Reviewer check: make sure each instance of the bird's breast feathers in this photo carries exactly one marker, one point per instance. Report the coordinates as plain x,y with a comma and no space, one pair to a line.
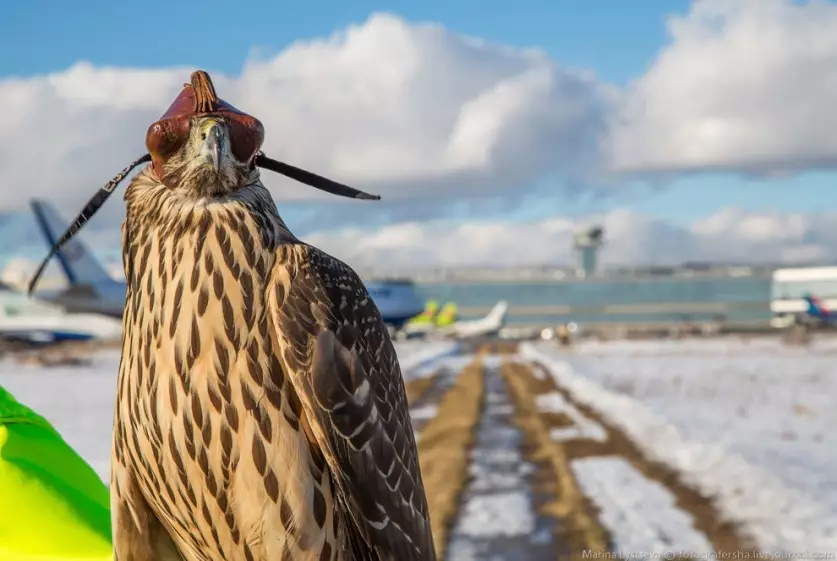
260,399
206,415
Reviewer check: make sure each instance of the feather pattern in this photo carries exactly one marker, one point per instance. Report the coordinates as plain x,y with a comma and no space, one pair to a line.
341,359
260,409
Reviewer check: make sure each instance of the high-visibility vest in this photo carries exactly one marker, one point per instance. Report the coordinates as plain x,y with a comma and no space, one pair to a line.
53,505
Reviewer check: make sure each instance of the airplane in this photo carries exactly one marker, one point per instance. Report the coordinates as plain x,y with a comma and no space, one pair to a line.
429,320
396,299
24,320
817,313
93,290
487,326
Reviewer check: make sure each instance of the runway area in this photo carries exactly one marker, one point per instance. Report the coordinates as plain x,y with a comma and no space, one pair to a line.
658,449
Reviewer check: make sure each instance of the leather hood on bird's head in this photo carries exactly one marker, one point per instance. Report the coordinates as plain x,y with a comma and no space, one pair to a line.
168,134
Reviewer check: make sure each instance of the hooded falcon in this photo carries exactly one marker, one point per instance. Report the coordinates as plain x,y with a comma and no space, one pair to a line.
261,413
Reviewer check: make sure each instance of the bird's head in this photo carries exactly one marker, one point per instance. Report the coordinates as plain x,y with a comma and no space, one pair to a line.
205,147
202,144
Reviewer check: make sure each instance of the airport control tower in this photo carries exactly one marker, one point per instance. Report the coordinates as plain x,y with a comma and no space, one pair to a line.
586,245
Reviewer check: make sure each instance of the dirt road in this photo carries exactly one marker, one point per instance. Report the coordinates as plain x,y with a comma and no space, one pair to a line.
516,471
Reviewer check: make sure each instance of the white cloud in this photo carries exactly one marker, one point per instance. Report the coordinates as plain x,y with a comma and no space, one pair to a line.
390,106
425,116
744,85
730,235
414,109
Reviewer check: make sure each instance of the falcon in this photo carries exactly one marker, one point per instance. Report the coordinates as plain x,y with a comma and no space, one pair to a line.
261,412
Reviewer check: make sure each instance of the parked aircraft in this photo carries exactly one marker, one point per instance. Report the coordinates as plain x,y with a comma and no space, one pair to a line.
489,325
91,288
817,313
446,327
25,320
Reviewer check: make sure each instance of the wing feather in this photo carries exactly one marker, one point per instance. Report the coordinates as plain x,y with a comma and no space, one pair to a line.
343,365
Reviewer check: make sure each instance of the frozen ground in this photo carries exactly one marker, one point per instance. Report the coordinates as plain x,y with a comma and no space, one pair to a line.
641,514
79,401
497,520
581,427
749,422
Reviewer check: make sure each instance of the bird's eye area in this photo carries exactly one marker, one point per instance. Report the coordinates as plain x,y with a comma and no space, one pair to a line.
164,138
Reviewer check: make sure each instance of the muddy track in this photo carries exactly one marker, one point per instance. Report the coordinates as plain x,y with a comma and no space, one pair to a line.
419,388
576,525
502,448
500,516
723,535
444,443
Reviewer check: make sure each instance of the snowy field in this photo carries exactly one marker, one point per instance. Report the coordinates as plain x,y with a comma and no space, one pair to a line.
750,423
79,400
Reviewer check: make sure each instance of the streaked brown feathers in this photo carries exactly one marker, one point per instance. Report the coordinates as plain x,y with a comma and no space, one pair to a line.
339,354
260,413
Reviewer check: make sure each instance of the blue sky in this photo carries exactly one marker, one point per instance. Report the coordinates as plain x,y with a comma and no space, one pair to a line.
618,41
615,38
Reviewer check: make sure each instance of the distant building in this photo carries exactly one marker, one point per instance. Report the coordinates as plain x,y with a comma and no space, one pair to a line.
586,245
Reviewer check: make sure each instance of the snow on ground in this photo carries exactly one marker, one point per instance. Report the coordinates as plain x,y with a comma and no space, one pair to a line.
714,346
582,427
497,520
750,423
79,400
640,514
419,358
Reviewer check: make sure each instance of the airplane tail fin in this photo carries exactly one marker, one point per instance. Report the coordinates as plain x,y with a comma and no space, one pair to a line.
447,315
816,307
77,262
498,312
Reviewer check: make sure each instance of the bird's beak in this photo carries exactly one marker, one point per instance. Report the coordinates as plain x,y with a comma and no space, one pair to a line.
214,143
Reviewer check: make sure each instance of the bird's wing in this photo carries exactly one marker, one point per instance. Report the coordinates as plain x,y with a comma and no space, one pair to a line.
342,362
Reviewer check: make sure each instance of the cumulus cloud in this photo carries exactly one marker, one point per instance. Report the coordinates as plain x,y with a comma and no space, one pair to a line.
413,110
743,85
407,110
435,122
730,235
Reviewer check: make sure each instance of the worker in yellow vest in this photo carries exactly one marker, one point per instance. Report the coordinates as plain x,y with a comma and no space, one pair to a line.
448,315
428,316
53,506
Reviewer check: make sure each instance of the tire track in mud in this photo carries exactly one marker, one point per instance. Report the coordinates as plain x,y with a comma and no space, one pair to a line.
499,515
576,526
444,440
534,380
424,394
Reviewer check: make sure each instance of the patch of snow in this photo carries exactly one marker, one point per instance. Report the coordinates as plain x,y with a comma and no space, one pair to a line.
424,413
718,420
504,513
702,347
583,428
419,359
641,515
497,520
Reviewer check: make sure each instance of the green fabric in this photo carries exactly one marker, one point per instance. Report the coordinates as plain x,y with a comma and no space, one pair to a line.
53,506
